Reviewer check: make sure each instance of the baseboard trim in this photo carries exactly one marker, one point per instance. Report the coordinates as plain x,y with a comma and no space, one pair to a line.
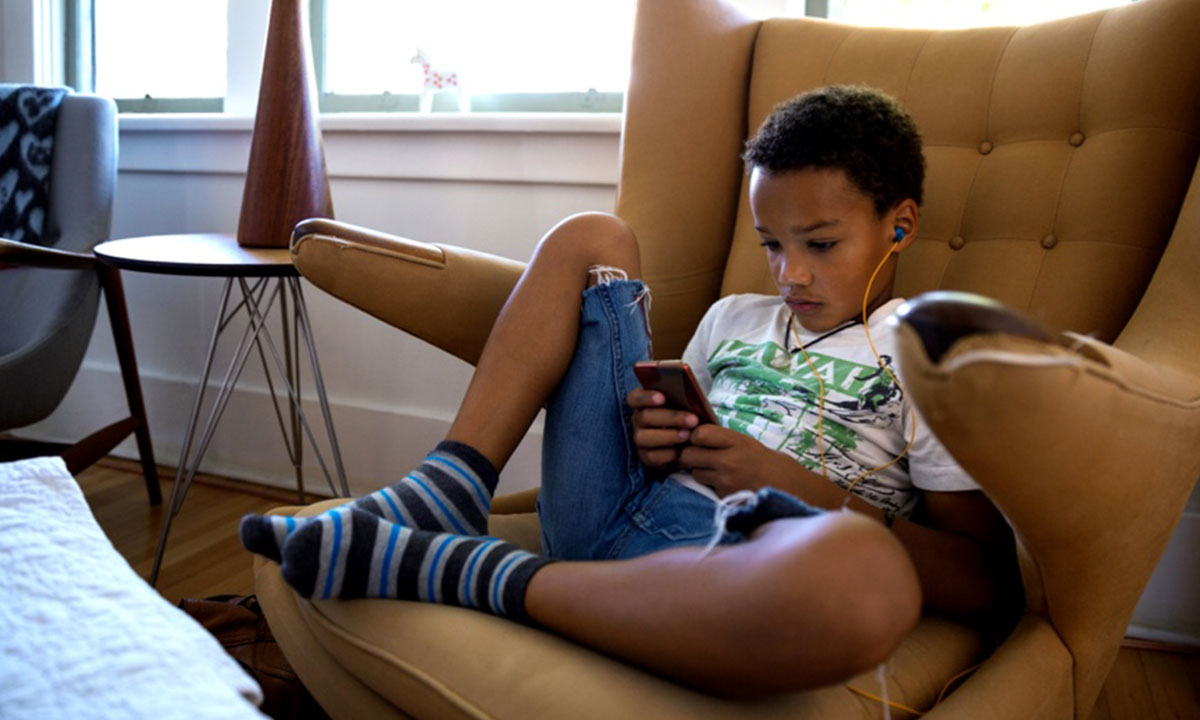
378,443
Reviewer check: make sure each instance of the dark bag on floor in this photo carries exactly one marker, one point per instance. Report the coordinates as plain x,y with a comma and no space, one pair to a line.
237,623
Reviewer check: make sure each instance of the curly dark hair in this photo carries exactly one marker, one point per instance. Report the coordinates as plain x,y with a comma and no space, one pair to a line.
858,129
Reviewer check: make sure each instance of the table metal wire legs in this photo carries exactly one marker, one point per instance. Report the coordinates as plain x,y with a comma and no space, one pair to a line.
258,296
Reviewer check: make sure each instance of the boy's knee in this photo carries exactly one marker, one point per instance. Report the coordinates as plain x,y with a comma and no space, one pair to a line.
596,226
593,238
869,597
878,595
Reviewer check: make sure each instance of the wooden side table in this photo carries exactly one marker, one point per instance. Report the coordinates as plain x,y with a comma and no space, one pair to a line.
252,271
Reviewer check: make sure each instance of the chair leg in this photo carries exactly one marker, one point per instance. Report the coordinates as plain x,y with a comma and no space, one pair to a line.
114,296
92,448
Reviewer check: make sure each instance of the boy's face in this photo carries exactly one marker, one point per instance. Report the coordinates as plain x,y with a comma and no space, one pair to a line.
823,241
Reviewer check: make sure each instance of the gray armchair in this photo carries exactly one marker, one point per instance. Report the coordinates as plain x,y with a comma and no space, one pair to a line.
50,294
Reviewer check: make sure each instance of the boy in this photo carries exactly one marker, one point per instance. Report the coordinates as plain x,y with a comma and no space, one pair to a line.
794,596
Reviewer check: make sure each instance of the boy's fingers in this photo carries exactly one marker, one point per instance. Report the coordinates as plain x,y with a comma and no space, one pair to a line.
643,398
660,437
711,436
666,418
657,458
695,458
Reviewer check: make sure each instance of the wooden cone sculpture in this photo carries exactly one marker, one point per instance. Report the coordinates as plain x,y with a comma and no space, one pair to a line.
286,181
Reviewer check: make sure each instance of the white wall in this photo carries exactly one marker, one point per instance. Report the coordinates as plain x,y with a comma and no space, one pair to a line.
17,46
492,184
27,29
1169,610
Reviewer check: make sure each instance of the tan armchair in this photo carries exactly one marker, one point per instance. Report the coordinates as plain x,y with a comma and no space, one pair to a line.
1060,158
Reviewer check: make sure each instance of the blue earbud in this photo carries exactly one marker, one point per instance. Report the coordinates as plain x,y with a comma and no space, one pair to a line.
899,235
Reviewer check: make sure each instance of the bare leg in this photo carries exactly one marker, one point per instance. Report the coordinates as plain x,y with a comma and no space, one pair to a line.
531,344
804,603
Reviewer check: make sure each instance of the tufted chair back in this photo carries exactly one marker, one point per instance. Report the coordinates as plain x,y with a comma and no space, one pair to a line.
1058,155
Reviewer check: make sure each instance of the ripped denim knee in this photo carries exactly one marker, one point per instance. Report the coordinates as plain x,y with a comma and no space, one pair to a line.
633,295
739,514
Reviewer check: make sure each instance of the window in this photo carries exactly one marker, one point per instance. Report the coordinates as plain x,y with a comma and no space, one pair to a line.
154,54
516,55
509,55
520,55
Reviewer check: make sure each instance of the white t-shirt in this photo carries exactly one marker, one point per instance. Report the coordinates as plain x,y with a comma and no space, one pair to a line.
759,383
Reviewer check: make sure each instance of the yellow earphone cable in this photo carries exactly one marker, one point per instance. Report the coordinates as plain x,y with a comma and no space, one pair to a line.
820,403
825,471
821,387
881,701
900,706
912,435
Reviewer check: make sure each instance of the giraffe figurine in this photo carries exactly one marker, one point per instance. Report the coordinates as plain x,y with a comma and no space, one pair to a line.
439,80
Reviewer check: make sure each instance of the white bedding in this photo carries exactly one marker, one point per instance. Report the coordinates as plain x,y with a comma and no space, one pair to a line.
81,635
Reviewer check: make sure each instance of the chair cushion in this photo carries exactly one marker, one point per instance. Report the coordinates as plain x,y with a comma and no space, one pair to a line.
445,662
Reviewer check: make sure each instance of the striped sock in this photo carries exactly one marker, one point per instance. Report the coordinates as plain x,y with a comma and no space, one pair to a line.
357,554
450,491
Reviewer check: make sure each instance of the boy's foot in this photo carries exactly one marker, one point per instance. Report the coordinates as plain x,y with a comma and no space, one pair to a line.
356,554
450,491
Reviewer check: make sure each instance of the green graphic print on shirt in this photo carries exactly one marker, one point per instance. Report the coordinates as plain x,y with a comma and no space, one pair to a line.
764,392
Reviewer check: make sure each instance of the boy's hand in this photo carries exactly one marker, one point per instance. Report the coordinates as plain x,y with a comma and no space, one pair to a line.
727,460
659,432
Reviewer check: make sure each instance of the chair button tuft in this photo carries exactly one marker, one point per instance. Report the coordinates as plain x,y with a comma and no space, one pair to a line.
1049,241
957,242
1077,139
986,147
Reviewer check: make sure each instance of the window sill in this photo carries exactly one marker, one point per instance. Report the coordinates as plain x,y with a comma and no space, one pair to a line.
541,148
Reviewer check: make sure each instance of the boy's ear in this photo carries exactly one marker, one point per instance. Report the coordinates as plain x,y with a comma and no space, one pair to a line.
905,216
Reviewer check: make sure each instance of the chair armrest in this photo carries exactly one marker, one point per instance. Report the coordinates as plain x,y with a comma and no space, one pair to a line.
524,501
1089,452
445,295
18,253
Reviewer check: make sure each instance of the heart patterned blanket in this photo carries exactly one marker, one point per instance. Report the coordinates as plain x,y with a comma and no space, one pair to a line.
28,117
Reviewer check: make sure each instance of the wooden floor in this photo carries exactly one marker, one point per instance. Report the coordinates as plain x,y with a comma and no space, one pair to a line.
204,558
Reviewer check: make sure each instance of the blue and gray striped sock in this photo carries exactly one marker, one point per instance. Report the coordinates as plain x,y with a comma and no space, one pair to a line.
357,554
450,491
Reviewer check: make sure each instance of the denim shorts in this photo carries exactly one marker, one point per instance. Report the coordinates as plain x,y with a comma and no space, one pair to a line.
596,501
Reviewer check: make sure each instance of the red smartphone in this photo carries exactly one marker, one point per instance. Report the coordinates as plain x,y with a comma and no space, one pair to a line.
674,379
